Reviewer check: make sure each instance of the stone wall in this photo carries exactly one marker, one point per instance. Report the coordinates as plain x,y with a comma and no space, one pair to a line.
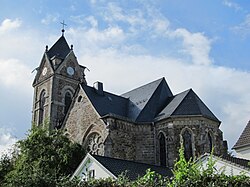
83,120
199,126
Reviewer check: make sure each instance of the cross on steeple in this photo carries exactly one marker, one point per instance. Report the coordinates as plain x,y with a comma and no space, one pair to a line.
63,25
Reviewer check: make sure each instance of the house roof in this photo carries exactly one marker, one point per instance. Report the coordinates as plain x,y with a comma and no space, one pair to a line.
148,103
244,138
60,49
240,162
131,168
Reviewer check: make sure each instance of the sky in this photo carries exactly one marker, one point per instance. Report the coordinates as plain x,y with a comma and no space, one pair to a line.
203,45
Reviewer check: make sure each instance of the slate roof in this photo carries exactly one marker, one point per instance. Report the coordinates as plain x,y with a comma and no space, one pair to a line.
147,100
186,103
133,169
107,103
60,49
244,139
149,103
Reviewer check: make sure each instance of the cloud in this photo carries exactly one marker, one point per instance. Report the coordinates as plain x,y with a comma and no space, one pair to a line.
94,39
8,25
197,45
150,22
243,29
231,4
15,75
50,18
6,140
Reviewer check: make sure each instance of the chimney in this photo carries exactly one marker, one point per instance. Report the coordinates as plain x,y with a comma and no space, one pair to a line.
98,86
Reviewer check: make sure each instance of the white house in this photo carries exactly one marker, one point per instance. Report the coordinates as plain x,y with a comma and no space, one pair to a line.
227,164
242,146
96,167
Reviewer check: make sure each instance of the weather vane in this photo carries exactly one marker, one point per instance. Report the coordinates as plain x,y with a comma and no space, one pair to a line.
63,25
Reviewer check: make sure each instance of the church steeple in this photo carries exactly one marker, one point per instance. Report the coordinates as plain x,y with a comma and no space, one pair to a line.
60,48
56,80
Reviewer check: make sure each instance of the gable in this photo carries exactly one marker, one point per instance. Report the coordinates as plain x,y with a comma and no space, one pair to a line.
45,70
89,163
82,118
70,68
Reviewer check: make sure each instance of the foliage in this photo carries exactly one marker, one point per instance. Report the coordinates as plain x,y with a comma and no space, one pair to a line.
191,173
151,178
6,165
44,159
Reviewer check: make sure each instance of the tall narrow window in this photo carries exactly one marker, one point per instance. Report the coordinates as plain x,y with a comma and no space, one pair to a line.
187,143
210,141
67,102
162,143
41,107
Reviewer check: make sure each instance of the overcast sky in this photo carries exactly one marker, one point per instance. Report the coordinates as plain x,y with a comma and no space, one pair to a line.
203,45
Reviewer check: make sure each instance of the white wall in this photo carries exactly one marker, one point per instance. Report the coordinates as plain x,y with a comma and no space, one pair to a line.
88,165
227,167
243,153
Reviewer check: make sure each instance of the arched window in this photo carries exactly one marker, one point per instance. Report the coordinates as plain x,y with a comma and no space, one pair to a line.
162,143
187,144
67,102
41,107
210,142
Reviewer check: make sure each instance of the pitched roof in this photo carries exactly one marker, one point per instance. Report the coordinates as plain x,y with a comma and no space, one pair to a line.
239,161
106,103
148,103
244,138
131,168
147,100
60,49
185,104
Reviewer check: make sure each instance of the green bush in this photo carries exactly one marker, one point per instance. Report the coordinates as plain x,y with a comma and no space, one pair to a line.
48,160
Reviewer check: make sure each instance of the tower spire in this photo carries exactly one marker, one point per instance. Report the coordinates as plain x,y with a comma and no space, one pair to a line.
63,25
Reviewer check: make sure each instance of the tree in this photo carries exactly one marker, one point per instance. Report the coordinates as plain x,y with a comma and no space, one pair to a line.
43,159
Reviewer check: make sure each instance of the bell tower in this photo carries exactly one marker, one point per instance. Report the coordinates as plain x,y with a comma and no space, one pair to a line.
57,78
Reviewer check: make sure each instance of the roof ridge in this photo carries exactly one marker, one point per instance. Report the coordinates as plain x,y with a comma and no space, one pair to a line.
187,91
83,84
161,79
150,97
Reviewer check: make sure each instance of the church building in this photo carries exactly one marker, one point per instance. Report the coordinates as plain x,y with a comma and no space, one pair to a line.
147,124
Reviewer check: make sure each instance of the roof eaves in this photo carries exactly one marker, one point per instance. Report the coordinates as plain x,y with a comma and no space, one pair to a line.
240,146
